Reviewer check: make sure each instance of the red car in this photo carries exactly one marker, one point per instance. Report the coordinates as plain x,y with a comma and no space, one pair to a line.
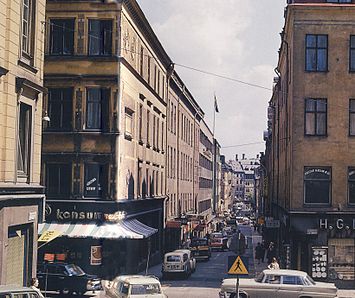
219,241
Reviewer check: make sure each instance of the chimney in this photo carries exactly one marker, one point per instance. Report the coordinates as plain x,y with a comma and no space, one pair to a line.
257,156
223,159
243,156
236,157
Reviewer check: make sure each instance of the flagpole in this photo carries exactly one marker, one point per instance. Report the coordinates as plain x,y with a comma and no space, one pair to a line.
214,203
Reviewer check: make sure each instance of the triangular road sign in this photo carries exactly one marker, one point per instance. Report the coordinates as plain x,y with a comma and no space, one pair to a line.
238,267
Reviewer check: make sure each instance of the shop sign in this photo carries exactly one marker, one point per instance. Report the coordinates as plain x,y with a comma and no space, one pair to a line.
96,255
115,217
319,262
61,214
287,256
49,236
338,223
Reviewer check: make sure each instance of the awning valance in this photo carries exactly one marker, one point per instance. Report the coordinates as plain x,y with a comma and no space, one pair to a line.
125,229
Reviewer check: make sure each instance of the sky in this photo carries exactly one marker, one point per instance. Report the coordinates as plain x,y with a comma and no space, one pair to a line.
238,39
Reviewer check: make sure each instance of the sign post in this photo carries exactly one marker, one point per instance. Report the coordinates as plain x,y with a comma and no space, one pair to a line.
238,266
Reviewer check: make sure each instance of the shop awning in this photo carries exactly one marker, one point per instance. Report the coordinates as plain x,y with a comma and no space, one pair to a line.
125,229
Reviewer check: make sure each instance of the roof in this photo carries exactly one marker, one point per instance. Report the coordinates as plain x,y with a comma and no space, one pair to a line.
285,272
8,288
138,279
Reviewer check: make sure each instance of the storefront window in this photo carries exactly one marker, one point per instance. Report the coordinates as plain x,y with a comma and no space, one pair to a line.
341,259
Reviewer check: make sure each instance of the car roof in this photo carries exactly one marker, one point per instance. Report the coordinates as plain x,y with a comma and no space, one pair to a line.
185,251
14,288
285,272
138,279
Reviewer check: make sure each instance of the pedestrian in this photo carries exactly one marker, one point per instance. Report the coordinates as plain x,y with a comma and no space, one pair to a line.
34,286
259,253
263,247
274,265
271,252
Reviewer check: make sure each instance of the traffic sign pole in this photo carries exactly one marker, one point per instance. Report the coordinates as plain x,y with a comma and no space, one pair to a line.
237,291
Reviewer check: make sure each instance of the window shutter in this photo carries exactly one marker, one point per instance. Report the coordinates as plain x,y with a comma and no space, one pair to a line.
105,106
78,113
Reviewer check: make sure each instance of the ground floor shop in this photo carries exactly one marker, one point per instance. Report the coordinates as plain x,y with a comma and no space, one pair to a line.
19,218
322,245
104,239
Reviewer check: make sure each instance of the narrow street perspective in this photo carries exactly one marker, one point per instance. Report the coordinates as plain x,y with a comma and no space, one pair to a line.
181,149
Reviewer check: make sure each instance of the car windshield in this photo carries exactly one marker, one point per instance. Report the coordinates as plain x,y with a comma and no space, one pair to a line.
260,277
199,242
309,280
147,289
173,259
74,270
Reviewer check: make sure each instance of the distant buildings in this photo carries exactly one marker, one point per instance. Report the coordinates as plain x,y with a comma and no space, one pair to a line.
310,141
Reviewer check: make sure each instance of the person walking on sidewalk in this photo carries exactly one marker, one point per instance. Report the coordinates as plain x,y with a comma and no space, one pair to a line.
271,252
259,253
274,265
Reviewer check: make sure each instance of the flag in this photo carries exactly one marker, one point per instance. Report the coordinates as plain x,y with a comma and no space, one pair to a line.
215,104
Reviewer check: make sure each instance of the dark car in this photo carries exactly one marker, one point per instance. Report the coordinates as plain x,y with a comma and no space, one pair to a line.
200,248
219,241
66,278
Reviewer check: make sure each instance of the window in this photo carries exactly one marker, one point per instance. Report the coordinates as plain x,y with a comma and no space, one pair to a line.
60,108
100,37
142,62
317,185
272,279
128,123
96,105
95,180
148,127
24,140
291,280
316,52
27,34
140,123
339,1
352,117
58,179
315,117
62,37
352,53
341,260
351,185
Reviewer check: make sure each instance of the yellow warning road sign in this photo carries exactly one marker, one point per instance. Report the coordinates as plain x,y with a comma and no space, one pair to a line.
238,267
49,236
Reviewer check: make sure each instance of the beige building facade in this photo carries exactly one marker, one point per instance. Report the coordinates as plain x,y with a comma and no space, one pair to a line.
311,144
104,149
21,94
183,118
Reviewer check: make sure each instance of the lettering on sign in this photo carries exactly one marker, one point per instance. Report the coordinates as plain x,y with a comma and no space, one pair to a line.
338,223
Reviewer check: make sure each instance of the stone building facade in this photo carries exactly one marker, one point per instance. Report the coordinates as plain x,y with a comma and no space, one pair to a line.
311,145
183,118
21,94
104,149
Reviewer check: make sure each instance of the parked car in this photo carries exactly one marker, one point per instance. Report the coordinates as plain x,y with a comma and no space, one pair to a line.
178,262
131,286
66,278
200,248
17,292
219,241
277,284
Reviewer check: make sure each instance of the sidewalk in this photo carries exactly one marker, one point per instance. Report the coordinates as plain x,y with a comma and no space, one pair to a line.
255,268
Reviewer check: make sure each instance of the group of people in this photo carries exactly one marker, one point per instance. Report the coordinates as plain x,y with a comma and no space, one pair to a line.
269,251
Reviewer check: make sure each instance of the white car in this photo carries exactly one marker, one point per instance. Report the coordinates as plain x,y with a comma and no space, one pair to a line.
278,284
135,286
178,262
